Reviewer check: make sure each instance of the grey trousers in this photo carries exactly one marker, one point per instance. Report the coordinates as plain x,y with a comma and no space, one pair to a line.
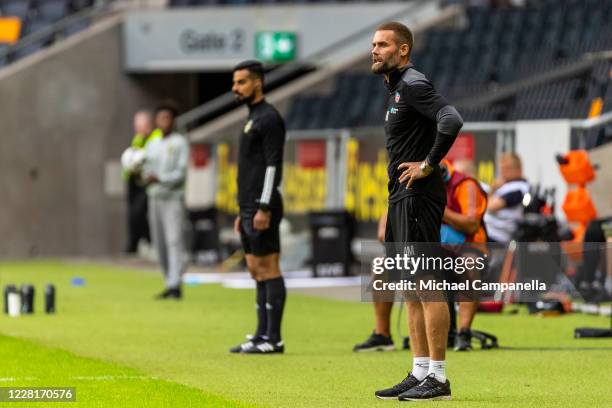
166,223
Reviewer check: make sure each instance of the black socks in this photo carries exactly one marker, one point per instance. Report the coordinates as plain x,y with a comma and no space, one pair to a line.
275,303
262,313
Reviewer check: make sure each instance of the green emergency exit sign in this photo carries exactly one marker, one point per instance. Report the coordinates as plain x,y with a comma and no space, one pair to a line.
275,46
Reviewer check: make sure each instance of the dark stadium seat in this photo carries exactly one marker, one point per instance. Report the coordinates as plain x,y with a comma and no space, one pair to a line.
34,25
299,115
3,60
15,8
30,27
313,113
76,5
52,10
182,3
76,27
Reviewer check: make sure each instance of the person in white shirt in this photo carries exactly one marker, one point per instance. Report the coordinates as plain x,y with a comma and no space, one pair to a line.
165,171
505,206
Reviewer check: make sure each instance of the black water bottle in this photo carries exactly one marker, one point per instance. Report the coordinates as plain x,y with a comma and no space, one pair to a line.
27,299
50,299
8,289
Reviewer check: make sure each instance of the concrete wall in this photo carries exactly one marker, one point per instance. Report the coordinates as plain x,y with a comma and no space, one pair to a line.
66,114
537,143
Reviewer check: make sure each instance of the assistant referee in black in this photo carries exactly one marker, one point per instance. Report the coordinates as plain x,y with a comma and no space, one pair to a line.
260,161
420,128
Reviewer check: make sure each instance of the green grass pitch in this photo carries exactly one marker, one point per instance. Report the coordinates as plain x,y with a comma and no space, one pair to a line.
120,348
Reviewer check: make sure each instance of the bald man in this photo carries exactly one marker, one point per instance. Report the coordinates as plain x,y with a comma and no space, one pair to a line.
505,199
138,224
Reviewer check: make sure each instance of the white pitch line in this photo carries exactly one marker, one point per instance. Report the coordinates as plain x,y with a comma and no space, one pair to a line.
112,377
13,379
85,378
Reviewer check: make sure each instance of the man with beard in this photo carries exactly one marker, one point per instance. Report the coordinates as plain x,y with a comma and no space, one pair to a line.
420,128
260,161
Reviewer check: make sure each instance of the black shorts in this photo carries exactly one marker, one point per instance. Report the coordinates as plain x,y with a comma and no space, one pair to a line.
260,243
413,227
414,219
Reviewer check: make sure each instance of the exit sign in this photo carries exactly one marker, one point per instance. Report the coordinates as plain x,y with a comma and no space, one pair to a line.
275,46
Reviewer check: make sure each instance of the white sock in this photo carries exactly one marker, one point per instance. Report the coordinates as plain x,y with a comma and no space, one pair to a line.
420,365
438,369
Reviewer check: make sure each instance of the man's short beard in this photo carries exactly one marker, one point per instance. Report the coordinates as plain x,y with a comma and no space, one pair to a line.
385,68
246,99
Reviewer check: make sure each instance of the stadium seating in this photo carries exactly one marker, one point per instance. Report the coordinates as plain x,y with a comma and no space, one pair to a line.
195,3
52,10
15,8
38,14
496,47
76,27
31,27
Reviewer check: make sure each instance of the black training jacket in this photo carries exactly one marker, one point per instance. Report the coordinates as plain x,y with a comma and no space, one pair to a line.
260,157
419,125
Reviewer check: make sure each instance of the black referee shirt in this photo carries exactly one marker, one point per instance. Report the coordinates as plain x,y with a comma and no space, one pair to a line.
419,125
260,157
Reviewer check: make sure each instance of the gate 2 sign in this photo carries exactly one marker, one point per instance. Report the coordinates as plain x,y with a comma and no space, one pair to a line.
193,41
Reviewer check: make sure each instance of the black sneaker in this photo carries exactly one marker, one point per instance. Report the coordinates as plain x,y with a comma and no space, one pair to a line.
376,342
429,389
250,343
463,341
394,392
171,293
266,347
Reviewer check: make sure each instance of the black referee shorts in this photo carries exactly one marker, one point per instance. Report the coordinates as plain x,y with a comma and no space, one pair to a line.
256,242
